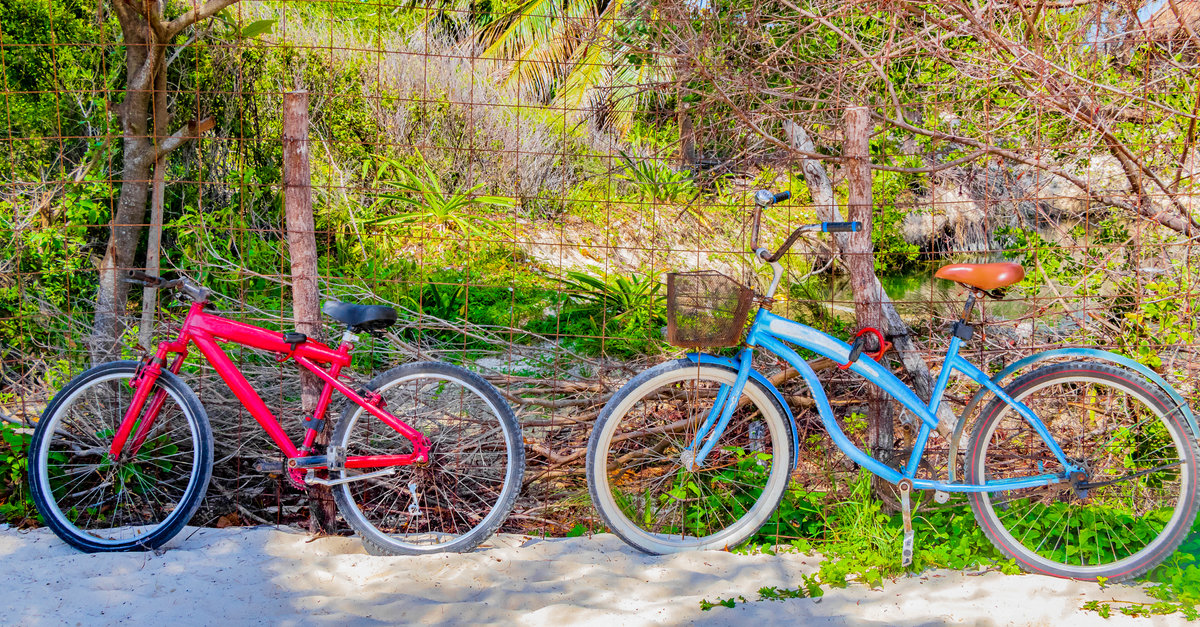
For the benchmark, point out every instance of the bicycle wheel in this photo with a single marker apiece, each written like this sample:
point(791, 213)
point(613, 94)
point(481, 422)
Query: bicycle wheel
point(637, 478)
point(1139, 496)
point(97, 503)
point(464, 493)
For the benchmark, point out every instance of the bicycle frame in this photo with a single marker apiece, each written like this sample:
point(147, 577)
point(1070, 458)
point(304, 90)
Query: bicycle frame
point(205, 330)
point(769, 331)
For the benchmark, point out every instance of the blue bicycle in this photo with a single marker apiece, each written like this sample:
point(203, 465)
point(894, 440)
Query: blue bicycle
point(1082, 469)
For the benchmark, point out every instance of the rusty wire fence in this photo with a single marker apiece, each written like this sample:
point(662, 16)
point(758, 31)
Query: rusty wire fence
point(517, 178)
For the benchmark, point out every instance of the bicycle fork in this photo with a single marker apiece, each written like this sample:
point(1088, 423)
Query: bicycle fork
point(718, 417)
point(143, 382)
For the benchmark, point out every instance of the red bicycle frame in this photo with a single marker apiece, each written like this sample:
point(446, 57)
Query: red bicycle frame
point(205, 330)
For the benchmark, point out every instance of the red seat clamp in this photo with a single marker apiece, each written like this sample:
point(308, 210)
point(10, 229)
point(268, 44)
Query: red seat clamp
point(856, 347)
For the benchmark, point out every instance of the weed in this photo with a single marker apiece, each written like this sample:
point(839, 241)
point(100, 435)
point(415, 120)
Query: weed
point(16, 503)
point(657, 181)
point(432, 209)
point(615, 315)
point(809, 589)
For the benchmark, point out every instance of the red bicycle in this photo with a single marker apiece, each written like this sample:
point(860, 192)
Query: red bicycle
point(122, 456)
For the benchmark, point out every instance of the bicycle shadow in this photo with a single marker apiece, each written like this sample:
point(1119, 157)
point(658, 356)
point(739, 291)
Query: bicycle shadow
point(265, 574)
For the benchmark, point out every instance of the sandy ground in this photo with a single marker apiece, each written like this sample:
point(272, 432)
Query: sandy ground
point(278, 576)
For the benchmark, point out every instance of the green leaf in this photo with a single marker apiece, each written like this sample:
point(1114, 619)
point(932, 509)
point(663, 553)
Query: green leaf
point(254, 29)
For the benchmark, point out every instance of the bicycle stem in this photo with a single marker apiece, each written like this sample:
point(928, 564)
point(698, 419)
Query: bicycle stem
point(776, 268)
point(765, 256)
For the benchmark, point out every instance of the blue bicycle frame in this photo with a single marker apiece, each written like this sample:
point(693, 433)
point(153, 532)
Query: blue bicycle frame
point(770, 331)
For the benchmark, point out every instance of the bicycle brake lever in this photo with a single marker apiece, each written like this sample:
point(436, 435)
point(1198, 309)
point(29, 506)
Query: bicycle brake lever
point(137, 277)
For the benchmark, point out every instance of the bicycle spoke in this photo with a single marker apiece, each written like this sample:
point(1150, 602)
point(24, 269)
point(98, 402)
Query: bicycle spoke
point(460, 485)
point(1131, 466)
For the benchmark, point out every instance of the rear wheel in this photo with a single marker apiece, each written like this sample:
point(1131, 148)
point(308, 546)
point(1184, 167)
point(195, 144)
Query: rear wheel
point(135, 501)
point(468, 487)
point(1130, 507)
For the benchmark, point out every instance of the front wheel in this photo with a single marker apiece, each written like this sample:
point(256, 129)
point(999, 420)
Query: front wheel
point(1129, 507)
point(636, 461)
point(137, 500)
point(468, 487)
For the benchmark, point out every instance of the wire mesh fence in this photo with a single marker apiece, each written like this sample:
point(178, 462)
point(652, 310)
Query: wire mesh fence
point(516, 179)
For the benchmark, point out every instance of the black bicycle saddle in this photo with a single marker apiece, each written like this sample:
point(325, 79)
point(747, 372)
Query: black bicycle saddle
point(360, 317)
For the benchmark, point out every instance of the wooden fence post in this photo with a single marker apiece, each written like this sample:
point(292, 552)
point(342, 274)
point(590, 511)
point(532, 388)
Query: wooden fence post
point(302, 247)
point(860, 263)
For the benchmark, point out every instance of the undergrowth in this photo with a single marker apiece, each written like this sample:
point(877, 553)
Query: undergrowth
point(861, 543)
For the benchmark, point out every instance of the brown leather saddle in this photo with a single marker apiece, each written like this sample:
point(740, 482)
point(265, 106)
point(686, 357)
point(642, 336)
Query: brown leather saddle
point(988, 277)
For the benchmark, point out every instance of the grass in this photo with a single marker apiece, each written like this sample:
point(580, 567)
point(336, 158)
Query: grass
point(861, 544)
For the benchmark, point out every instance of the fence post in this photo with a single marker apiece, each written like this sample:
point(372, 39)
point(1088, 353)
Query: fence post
point(302, 247)
point(860, 262)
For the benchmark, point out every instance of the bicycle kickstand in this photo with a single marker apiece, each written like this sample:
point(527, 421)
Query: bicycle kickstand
point(906, 553)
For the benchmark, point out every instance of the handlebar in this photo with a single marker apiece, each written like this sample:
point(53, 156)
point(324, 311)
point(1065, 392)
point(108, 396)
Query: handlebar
point(189, 289)
point(141, 278)
point(764, 198)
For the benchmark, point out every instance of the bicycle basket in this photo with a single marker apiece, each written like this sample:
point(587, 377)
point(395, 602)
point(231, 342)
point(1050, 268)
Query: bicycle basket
point(706, 309)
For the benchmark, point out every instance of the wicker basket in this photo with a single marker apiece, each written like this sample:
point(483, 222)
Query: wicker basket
point(706, 309)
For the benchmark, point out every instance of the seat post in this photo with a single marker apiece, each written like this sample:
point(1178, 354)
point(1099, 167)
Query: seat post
point(962, 329)
point(966, 316)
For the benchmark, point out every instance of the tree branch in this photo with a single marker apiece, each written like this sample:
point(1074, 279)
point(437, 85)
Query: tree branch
point(191, 130)
point(210, 8)
point(155, 20)
point(1182, 224)
point(140, 81)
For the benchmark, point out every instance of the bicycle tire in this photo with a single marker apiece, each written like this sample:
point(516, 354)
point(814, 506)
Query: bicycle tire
point(1117, 425)
point(719, 506)
point(97, 504)
point(471, 482)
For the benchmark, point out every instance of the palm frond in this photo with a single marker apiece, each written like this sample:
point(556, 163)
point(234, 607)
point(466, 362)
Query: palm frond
point(520, 28)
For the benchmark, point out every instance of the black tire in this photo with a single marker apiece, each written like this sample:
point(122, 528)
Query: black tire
point(1121, 428)
point(97, 504)
point(639, 484)
point(469, 486)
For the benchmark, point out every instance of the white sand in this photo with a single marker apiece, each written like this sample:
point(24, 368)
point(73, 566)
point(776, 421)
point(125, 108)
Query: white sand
point(278, 576)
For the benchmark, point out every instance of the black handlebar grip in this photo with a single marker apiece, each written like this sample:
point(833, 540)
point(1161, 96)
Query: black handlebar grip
point(782, 196)
point(842, 227)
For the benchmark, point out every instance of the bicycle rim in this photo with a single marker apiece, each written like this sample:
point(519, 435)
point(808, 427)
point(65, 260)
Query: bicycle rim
point(99, 503)
point(638, 478)
point(1139, 460)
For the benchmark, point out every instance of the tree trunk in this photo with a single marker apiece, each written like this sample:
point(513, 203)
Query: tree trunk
point(162, 121)
point(302, 246)
point(860, 262)
point(689, 159)
point(113, 293)
point(145, 121)
point(911, 355)
point(150, 295)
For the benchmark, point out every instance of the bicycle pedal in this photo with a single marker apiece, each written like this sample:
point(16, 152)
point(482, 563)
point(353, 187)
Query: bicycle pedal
point(269, 467)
